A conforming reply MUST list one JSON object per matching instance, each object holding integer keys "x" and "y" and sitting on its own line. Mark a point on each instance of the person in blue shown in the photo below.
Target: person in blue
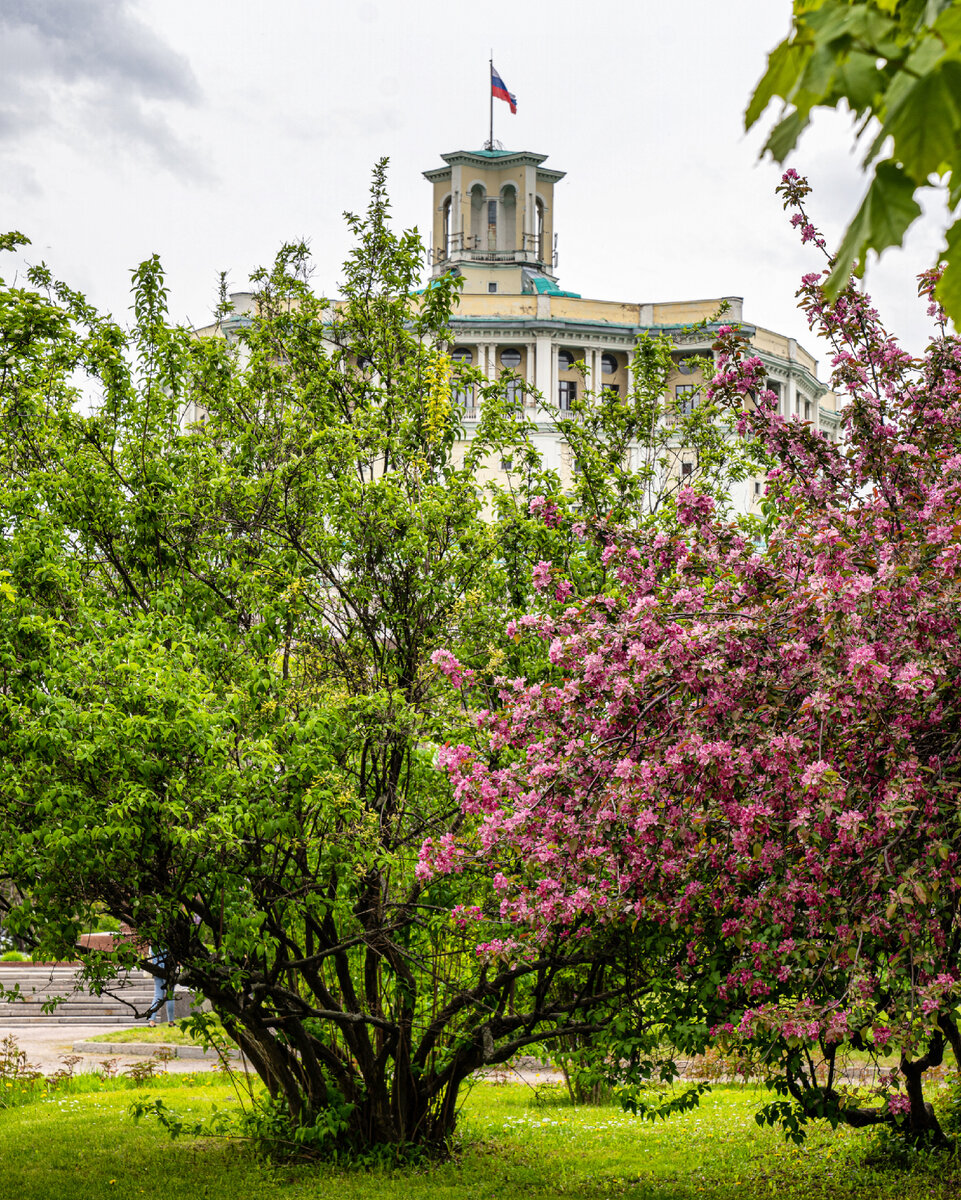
{"x": 163, "y": 992}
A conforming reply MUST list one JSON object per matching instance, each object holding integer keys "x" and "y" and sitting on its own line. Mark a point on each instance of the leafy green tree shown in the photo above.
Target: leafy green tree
{"x": 219, "y": 714}
{"x": 896, "y": 65}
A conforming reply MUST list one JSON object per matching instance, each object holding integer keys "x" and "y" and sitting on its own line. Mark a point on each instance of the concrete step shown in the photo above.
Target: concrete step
{"x": 40, "y": 982}
{"x": 16, "y": 1011}
{"x": 54, "y": 1020}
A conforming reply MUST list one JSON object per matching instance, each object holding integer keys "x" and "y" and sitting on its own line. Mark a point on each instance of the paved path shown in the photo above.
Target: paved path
{"x": 47, "y": 1045}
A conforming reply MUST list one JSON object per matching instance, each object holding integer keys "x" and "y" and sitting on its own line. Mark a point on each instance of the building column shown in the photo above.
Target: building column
{"x": 530, "y": 375}
{"x": 530, "y": 219}
{"x": 787, "y": 398}
{"x": 456, "y": 208}
{"x": 542, "y": 366}
{"x": 590, "y": 380}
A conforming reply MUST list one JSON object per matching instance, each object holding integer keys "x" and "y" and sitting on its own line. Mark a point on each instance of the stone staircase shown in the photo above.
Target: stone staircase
{"x": 41, "y": 982}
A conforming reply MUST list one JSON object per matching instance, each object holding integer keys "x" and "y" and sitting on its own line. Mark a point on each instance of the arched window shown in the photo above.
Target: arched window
{"x": 514, "y": 394}
{"x": 507, "y": 226}
{"x": 478, "y": 217}
{"x": 608, "y": 364}
{"x": 464, "y": 392}
{"x": 687, "y": 363}
{"x": 511, "y": 359}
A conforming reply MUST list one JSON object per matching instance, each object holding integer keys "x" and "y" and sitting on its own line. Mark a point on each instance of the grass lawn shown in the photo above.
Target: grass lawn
{"x": 84, "y": 1146}
{"x": 166, "y": 1034}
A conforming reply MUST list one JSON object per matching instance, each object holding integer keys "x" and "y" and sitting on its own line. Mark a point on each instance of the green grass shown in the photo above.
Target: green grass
{"x": 167, "y": 1035}
{"x": 82, "y": 1145}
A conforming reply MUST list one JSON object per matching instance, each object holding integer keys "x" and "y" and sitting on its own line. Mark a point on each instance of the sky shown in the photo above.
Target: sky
{"x": 211, "y": 131}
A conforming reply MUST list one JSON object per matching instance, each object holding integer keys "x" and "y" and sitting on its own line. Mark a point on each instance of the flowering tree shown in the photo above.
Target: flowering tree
{"x": 218, "y": 711}
{"x": 757, "y": 748}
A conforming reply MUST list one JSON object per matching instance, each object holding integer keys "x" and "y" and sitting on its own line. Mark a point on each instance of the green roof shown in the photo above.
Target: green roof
{"x": 547, "y": 287}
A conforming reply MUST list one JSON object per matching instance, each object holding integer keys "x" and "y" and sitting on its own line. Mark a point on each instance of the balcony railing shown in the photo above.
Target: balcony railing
{"x": 471, "y": 247}
{"x": 492, "y": 255}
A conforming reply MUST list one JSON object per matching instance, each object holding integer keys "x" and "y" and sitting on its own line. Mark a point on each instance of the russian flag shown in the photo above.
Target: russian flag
{"x": 499, "y": 89}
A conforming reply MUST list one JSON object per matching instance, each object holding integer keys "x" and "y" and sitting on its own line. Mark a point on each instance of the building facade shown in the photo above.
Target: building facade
{"x": 493, "y": 224}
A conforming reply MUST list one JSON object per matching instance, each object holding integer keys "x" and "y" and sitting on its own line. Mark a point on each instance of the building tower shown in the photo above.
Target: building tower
{"x": 494, "y": 220}
{"x": 493, "y": 224}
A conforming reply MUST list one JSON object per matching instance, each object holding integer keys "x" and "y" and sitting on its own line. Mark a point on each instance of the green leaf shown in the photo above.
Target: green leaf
{"x": 815, "y": 83}
{"x": 784, "y": 136}
{"x": 948, "y": 291}
{"x": 948, "y": 29}
{"x": 926, "y": 125}
{"x": 886, "y": 213}
{"x": 10, "y": 241}
{"x": 784, "y": 66}
{"x": 859, "y": 81}
{"x": 833, "y": 21}
{"x": 933, "y": 9}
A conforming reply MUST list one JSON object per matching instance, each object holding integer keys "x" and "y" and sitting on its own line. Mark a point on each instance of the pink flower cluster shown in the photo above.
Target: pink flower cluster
{"x": 758, "y": 748}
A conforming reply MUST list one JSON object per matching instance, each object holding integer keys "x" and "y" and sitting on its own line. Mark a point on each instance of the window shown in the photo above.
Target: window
{"x": 565, "y": 361}
{"x": 757, "y": 487}
{"x": 491, "y": 212}
{"x": 510, "y": 359}
{"x": 514, "y": 394}
{"x": 464, "y": 395}
{"x": 685, "y": 399}
{"x": 507, "y": 464}
{"x": 613, "y": 387}
{"x": 492, "y": 287}
{"x": 608, "y": 364}
{"x": 464, "y": 398}
{"x": 807, "y": 410}
{"x": 687, "y": 470}
{"x": 688, "y": 361}
{"x": 566, "y": 394}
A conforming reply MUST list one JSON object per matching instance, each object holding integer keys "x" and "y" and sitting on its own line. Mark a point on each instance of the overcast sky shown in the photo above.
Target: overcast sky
{"x": 209, "y": 131}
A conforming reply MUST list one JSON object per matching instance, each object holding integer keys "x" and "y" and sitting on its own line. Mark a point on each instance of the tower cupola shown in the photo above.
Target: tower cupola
{"x": 494, "y": 218}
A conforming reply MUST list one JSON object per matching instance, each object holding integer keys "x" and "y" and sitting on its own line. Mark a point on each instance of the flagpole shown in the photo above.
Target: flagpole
{"x": 490, "y": 144}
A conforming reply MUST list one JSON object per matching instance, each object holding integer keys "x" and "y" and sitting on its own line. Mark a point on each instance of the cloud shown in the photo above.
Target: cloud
{"x": 19, "y": 179}
{"x": 90, "y": 72}
{"x": 342, "y": 125}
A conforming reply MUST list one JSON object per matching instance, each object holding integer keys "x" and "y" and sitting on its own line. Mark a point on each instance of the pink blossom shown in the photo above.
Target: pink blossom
{"x": 755, "y": 746}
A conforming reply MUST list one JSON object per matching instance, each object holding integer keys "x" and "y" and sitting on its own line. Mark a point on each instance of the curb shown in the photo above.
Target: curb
{"x": 148, "y": 1049}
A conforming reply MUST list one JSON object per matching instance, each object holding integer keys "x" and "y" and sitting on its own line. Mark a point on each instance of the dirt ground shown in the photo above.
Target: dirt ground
{"x": 46, "y": 1046}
